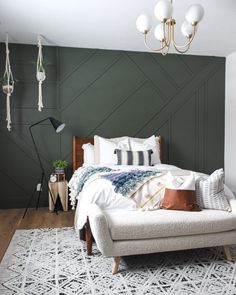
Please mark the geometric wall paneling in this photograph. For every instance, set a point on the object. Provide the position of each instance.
(101, 97)
(201, 143)
(195, 63)
(169, 66)
(153, 72)
(12, 195)
(182, 126)
(16, 167)
(164, 130)
(182, 96)
(85, 75)
(215, 119)
(141, 104)
(111, 93)
(71, 60)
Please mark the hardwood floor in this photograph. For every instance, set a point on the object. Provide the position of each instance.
(11, 219)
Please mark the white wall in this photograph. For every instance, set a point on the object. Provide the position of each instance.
(230, 122)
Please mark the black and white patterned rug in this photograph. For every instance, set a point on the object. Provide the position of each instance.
(54, 261)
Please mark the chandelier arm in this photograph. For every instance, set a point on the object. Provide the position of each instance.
(166, 38)
(150, 48)
(165, 50)
(186, 44)
(181, 51)
(169, 34)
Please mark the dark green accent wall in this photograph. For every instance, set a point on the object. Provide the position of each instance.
(110, 93)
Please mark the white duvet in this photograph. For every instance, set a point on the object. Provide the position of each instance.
(101, 192)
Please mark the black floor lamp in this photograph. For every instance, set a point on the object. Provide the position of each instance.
(58, 126)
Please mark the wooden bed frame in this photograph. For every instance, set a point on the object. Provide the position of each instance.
(77, 161)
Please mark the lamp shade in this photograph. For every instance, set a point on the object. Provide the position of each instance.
(144, 23)
(159, 33)
(163, 10)
(57, 125)
(194, 13)
(187, 29)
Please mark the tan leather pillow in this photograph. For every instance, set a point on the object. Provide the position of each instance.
(180, 200)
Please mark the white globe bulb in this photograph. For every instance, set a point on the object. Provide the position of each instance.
(163, 10)
(187, 29)
(194, 13)
(144, 23)
(159, 33)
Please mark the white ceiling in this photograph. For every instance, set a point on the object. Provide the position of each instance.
(110, 24)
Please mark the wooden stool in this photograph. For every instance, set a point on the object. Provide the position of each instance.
(59, 188)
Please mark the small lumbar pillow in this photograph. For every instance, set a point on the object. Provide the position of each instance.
(88, 154)
(133, 158)
(210, 192)
(180, 193)
(143, 144)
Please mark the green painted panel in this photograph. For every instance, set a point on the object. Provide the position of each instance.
(169, 64)
(87, 74)
(196, 63)
(183, 152)
(200, 127)
(71, 60)
(215, 109)
(146, 64)
(111, 93)
(102, 97)
(142, 104)
(164, 131)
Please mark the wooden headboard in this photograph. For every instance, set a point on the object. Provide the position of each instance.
(78, 152)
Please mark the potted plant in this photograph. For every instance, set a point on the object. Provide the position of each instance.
(40, 74)
(59, 166)
(7, 84)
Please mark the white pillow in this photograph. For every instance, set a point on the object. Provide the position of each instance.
(105, 149)
(89, 158)
(180, 182)
(210, 192)
(143, 144)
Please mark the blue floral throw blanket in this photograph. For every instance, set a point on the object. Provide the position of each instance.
(144, 187)
(125, 182)
(88, 172)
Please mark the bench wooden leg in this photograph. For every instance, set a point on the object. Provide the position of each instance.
(89, 240)
(116, 264)
(227, 253)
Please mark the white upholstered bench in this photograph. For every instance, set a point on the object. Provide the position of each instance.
(122, 233)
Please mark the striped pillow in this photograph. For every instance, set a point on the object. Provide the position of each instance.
(210, 192)
(133, 157)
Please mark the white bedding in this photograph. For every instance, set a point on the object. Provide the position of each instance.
(101, 192)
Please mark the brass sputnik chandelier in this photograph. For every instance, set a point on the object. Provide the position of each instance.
(165, 31)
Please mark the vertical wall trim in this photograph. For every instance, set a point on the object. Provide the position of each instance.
(196, 146)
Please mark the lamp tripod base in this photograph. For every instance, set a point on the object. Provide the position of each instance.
(39, 189)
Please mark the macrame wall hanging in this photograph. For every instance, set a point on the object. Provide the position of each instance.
(8, 85)
(40, 74)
